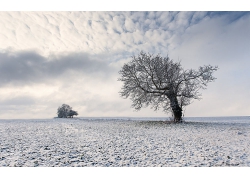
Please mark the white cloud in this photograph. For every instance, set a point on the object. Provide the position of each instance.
(92, 32)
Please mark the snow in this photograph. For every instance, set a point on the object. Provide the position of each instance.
(116, 142)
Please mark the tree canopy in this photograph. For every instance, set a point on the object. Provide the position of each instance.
(66, 111)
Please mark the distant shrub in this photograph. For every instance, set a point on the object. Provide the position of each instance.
(65, 111)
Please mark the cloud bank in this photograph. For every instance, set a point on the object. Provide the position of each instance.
(94, 32)
(23, 68)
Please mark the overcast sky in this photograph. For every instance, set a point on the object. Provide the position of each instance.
(51, 58)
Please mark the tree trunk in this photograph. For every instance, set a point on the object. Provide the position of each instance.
(177, 111)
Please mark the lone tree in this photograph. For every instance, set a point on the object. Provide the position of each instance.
(162, 83)
(66, 111)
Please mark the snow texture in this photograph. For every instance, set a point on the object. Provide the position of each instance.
(120, 142)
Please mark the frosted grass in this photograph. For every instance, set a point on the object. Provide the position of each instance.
(119, 142)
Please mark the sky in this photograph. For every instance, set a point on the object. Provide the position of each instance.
(48, 58)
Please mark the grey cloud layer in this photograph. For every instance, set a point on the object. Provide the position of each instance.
(22, 68)
(18, 101)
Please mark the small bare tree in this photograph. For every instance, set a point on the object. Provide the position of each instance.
(162, 83)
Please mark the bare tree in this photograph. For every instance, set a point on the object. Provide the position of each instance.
(162, 83)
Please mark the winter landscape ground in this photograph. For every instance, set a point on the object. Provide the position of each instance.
(118, 142)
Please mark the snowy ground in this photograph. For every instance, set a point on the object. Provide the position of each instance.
(121, 142)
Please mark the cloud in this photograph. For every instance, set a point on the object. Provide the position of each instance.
(217, 40)
(92, 32)
(18, 101)
(21, 68)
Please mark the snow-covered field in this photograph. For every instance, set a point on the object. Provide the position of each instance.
(125, 142)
